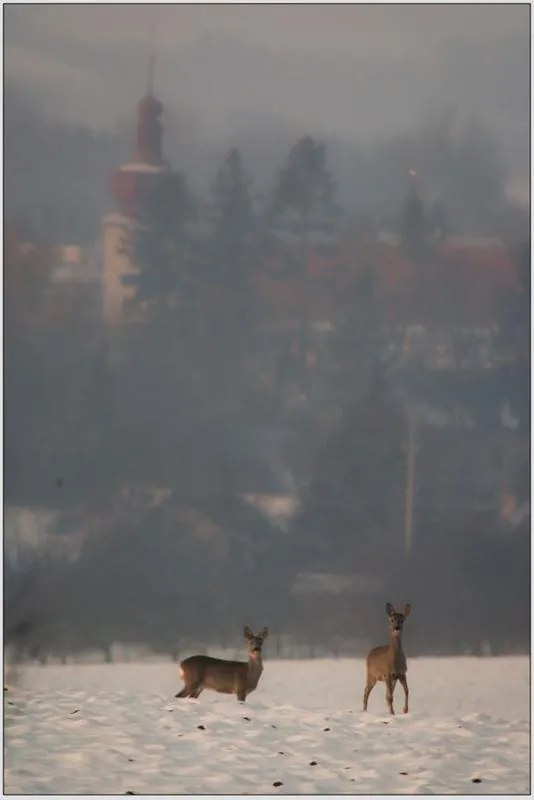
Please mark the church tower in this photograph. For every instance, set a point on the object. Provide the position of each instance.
(131, 185)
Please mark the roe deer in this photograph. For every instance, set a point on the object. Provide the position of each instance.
(388, 663)
(230, 677)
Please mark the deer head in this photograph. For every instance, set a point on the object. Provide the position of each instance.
(396, 620)
(255, 641)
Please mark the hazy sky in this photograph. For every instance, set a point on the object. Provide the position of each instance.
(355, 71)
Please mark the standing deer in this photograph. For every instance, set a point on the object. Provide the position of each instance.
(230, 677)
(388, 663)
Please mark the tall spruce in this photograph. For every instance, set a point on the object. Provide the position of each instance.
(157, 242)
(304, 188)
(233, 246)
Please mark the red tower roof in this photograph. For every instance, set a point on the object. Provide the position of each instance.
(148, 148)
(149, 106)
(133, 182)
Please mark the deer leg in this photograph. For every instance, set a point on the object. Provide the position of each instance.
(404, 684)
(195, 693)
(190, 689)
(241, 691)
(390, 688)
(368, 687)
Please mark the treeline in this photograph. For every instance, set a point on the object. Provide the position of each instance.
(57, 175)
(150, 463)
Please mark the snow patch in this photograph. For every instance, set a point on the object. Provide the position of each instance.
(114, 729)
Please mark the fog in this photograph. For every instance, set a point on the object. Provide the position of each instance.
(354, 73)
(313, 397)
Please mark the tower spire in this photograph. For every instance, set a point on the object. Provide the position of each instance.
(148, 147)
(151, 63)
(151, 60)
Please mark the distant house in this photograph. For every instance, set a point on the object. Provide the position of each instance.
(65, 275)
(472, 441)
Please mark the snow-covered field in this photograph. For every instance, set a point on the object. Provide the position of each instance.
(116, 728)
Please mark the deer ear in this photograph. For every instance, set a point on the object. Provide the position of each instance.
(265, 633)
(389, 609)
(407, 609)
(247, 633)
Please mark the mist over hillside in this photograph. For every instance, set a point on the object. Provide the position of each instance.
(309, 392)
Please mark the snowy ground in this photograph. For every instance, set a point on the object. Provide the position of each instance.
(112, 729)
